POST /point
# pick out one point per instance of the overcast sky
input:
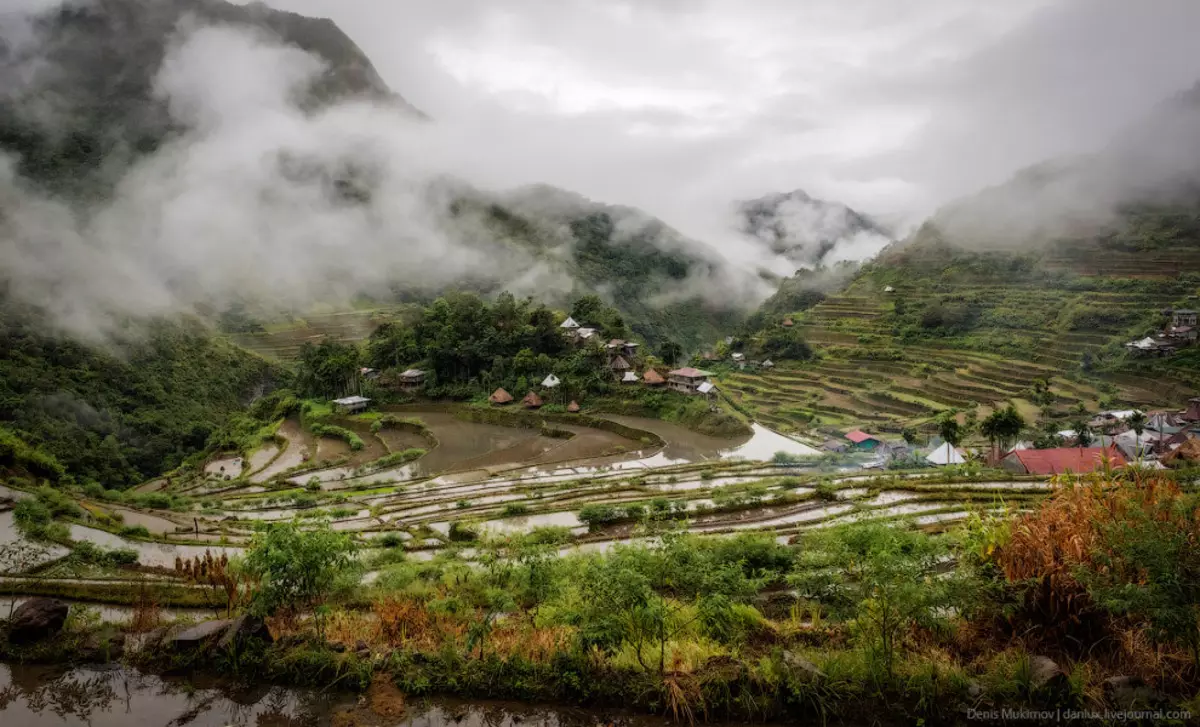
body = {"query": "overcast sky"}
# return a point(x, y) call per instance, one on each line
point(892, 106)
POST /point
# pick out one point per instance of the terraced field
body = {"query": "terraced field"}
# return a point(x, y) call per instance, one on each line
point(282, 341)
point(874, 369)
point(581, 505)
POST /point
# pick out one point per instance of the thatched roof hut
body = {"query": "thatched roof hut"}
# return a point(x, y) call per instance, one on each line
point(573, 407)
point(653, 378)
point(620, 364)
point(500, 396)
point(531, 400)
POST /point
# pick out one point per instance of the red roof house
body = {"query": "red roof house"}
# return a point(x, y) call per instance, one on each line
point(862, 440)
point(1077, 460)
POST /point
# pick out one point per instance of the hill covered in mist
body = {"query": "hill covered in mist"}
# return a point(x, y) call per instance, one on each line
point(180, 156)
point(807, 232)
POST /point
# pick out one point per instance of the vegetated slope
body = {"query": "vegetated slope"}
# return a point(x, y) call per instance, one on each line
point(806, 231)
point(126, 412)
point(80, 101)
point(1023, 293)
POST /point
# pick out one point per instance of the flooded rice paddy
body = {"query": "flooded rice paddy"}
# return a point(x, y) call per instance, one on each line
point(500, 481)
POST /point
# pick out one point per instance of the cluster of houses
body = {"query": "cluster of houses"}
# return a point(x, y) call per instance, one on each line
point(1182, 331)
point(1163, 438)
point(622, 360)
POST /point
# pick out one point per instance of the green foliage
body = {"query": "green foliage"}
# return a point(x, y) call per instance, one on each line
point(514, 509)
point(398, 458)
point(950, 430)
point(1147, 565)
point(321, 429)
point(87, 552)
point(328, 369)
point(16, 454)
point(883, 576)
point(1002, 426)
point(118, 415)
point(135, 531)
point(785, 343)
point(298, 570)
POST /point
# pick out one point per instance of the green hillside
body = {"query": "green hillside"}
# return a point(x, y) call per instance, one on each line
point(120, 412)
point(1043, 328)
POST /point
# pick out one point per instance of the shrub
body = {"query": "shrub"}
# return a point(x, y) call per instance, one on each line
point(514, 509)
point(135, 531)
point(298, 569)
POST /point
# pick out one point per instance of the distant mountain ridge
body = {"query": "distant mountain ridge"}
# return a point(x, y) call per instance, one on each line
point(809, 231)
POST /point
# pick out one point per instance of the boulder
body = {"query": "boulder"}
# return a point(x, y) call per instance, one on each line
point(1131, 693)
point(199, 635)
point(245, 628)
point(1046, 674)
point(37, 619)
point(799, 663)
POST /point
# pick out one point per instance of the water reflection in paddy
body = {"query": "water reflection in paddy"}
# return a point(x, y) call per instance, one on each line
point(155, 554)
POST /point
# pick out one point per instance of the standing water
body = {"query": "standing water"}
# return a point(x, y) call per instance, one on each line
point(38, 696)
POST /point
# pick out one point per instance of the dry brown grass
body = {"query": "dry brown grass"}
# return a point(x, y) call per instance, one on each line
point(147, 615)
point(1048, 545)
point(224, 586)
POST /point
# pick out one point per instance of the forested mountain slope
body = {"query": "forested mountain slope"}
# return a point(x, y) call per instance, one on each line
point(125, 411)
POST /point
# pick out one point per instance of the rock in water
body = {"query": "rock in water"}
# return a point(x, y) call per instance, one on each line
point(37, 619)
point(200, 634)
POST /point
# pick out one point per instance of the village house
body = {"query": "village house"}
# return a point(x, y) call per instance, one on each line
point(573, 407)
point(351, 404)
point(569, 324)
point(500, 397)
point(788, 323)
point(1150, 346)
point(768, 365)
point(583, 335)
point(1183, 318)
point(1076, 460)
point(626, 348)
point(532, 401)
point(619, 366)
point(412, 380)
point(708, 389)
point(630, 377)
point(653, 378)
point(687, 380)
point(862, 442)
point(368, 374)
point(550, 382)
point(834, 445)
point(1192, 414)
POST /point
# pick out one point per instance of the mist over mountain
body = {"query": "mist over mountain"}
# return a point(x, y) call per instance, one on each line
point(1154, 162)
point(805, 232)
point(161, 157)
